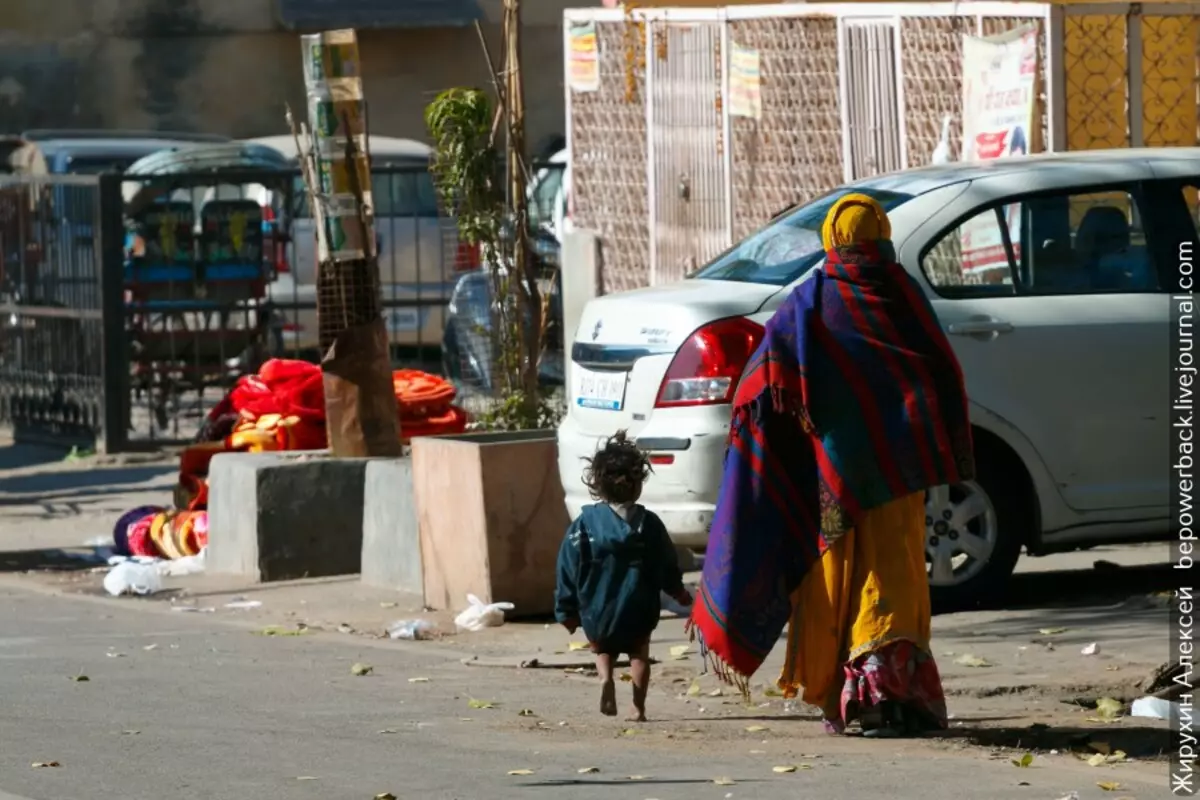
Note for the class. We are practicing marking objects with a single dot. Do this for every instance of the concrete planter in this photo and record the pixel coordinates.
(391, 546)
(491, 515)
(284, 516)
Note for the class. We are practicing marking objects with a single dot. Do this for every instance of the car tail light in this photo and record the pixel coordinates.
(706, 368)
(466, 258)
(662, 459)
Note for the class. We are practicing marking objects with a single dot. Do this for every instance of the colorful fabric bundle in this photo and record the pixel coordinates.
(126, 522)
(889, 419)
(424, 403)
(141, 543)
(178, 534)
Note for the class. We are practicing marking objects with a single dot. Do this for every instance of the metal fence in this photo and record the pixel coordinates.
(668, 177)
(130, 305)
(51, 376)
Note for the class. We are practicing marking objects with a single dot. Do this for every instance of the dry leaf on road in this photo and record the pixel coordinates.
(526, 712)
(473, 703)
(520, 772)
(756, 728)
(576, 646)
(385, 796)
(588, 770)
(724, 781)
(306, 778)
(80, 678)
(361, 669)
(418, 680)
(1109, 786)
(694, 689)
(1052, 631)
(44, 764)
(784, 770)
(680, 652)
(1091, 649)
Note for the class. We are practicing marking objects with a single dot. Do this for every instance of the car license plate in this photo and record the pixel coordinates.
(600, 390)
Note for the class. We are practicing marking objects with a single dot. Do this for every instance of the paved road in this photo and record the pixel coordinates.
(182, 705)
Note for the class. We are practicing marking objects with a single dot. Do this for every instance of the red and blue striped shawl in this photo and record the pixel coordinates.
(853, 399)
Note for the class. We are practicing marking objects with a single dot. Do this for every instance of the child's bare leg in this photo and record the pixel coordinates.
(639, 668)
(608, 689)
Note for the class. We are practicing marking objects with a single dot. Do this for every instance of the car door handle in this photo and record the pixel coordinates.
(986, 327)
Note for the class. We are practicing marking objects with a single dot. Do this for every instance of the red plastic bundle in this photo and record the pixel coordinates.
(425, 404)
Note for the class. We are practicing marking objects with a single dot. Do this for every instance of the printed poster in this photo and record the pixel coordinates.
(1000, 82)
(584, 59)
(745, 82)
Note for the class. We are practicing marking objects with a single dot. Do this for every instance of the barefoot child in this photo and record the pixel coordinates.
(615, 560)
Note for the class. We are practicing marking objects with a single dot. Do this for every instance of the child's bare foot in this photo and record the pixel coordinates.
(608, 699)
(637, 715)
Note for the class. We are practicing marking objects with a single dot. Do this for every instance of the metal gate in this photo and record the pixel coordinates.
(51, 319)
(688, 146)
(871, 133)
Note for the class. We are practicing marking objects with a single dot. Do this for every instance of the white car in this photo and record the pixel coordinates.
(1060, 323)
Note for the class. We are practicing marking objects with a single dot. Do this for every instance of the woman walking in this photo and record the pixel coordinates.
(852, 407)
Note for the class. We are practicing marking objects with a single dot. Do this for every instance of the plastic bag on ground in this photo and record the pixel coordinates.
(412, 629)
(479, 615)
(1152, 708)
(130, 577)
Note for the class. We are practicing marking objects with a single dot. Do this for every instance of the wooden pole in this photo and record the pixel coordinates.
(360, 402)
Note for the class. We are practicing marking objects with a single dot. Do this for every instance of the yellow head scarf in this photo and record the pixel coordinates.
(854, 219)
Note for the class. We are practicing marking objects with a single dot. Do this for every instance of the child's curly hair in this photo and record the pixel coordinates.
(617, 471)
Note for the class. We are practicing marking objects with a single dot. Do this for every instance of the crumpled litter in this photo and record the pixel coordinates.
(412, 629)
(1153, 708)
(142, 575)
(479, 615)
(130, 577)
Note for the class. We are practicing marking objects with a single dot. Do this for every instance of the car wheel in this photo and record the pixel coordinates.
(973, 536)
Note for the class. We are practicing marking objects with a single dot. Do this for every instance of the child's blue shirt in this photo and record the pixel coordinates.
(611, 571)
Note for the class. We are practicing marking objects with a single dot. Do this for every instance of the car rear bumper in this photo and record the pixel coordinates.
(684, 492)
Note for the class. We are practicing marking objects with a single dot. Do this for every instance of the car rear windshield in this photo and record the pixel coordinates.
(98, 165)
(790, 244)
(396, 191)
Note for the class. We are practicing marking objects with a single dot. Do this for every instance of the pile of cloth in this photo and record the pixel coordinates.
(280, 408)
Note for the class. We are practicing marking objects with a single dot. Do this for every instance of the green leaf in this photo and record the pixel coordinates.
(473, 703)
(1024, 761)
(361, 669)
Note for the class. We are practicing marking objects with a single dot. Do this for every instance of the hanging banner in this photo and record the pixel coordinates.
(745, 82)
(584, 65)
(1000, 84)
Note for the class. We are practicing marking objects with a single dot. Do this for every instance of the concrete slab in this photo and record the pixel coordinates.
(391, 547)
(283, 516)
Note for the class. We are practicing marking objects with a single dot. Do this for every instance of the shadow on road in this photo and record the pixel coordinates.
(73, 560)
(1135, 741)
(1103, 584)
(24, 456)
(64, 484)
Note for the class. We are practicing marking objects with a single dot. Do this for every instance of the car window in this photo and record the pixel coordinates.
(790, 244)
(541, 210)
(396, 193)
(976, 257)
(1083, 242)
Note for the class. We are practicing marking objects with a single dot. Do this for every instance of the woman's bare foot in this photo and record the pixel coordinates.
(608, 699)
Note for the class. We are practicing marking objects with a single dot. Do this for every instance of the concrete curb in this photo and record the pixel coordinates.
(158, 607)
